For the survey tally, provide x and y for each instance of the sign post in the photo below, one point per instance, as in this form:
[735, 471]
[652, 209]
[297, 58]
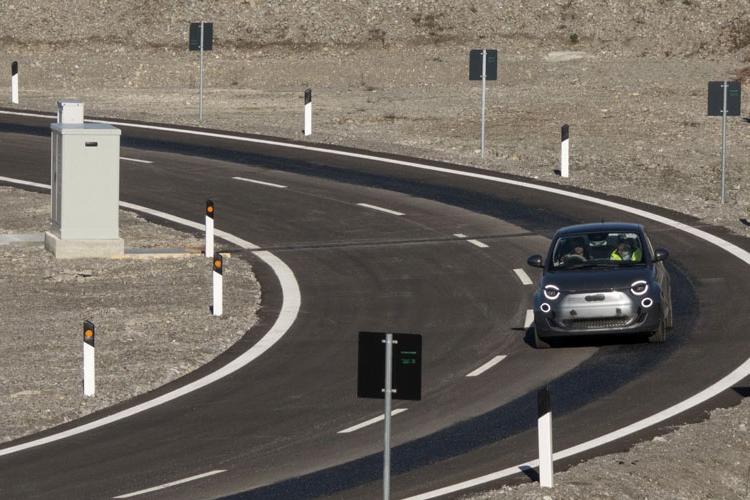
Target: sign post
[724, 99]
[483, 66]
[201, 38]
[379, 378]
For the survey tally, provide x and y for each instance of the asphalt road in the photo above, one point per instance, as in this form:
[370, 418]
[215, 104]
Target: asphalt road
[274, 425]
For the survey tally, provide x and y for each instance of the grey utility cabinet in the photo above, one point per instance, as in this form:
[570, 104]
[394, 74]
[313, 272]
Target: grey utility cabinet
[85, 191]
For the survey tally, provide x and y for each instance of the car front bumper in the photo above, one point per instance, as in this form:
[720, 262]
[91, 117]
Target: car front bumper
[596, 313]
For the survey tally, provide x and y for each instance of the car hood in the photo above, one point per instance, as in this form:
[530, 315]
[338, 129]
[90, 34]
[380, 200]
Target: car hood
[596, 279]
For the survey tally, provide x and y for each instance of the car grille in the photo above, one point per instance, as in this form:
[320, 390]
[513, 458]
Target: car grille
[596, 324]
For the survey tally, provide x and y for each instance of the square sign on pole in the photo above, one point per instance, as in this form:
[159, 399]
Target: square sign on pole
[390, 366]
[716, 98]
[407, 366]
[724, 100]
[194, 42]
[475, 64]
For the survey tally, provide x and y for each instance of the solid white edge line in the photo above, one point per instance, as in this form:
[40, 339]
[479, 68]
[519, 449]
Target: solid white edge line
[290, 306]
[478, 243]
[263, 183]
[525, 280]
[489, 364]
[135, 160]
[173, 483]
[740, 372]
[380, 209]
[529, 319]
[374, 420]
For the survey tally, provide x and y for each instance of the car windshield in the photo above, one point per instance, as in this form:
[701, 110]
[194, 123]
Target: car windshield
[597, 250]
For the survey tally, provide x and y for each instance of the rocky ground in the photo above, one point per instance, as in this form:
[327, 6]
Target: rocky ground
[630, 78]
[151, 316]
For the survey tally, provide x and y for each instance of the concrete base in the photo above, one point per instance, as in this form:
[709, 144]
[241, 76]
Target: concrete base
[78, 249]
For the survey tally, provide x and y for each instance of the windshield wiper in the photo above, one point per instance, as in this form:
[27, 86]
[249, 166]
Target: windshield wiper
[589, 265]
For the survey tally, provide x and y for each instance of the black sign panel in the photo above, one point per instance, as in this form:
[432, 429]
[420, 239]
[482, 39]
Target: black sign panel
[716, 98]
[194, 42]
[406, 366]
[475, 64]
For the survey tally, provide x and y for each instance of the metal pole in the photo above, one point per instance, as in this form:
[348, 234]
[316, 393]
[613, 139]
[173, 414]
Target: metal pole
[723, 139]
[200, 113]
[387, 436]
[484, 87]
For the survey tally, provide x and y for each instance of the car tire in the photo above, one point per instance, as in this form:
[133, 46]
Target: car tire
[660, 334]
[539, 342]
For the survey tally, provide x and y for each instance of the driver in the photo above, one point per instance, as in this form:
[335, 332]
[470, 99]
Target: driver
[625, 252]
[577, 254]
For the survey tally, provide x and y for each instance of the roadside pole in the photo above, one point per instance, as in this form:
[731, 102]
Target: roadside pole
[14, 82]
[544, 426]
[308, 112]
[210, 228]
[564, 151]
[201, 38]
[89, 359]
[217, 307]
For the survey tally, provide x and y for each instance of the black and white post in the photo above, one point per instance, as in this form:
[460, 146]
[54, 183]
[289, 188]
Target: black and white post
[308, 111]
[89, 365]
[210, 228]
[217, 308]
[14, 82]
[544, 414]
[565, 151]
[388, 390]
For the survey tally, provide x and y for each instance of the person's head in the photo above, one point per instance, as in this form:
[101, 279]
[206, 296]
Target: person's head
[623, 248]
[578, 249]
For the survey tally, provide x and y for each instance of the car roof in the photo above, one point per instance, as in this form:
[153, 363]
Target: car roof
[601, 227]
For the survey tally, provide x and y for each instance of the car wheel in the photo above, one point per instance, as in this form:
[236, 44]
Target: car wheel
[539, 342]
[660, 335]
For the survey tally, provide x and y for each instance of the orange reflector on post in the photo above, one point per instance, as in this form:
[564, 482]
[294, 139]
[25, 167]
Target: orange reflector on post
[218, 264]
[210, 208]
[88, 332]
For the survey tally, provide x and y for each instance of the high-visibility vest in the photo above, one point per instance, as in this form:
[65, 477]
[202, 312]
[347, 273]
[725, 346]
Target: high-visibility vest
[634, 257]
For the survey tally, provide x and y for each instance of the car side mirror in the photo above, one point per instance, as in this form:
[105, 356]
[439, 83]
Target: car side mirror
[535, 261]
[660, 254]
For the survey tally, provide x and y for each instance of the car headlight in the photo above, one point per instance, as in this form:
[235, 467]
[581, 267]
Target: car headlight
[639, 287]
[551, 292]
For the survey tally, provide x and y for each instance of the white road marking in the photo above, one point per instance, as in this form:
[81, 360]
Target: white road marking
[135, 160]
[173, 483]
[271, 184]
[375, 420]
[529, 320]
[381, 209]
[727, 382]
[489, 364]
[459, 235]
[290, 306]
[478, 243]
[523, 276]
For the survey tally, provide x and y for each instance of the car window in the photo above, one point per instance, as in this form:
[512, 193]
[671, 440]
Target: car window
[597, 249]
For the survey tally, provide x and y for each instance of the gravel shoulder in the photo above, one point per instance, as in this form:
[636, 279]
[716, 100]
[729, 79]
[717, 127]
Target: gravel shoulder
[151, 316]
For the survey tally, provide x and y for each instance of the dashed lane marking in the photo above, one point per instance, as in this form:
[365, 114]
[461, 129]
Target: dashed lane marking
[380, 209]
[489, 364]
[523, 276]
[135, 160]
[263, 183]
[173, 483]
[375, 420]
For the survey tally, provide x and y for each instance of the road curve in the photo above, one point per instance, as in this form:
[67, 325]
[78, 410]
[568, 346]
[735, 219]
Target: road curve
[273, 426]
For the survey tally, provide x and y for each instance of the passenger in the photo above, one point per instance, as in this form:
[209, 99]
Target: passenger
[625, 252]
